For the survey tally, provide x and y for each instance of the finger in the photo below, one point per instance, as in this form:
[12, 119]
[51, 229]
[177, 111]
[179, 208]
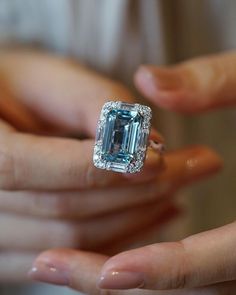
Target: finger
[216, 289]
[80, 204]
[45, 163]
[188, 165]
[24, 233]
[75, 269]
[80, 271]
[196, 85]
[60, 91]
[181, 167]
[17, 114]
[199, 260]
[14, 266]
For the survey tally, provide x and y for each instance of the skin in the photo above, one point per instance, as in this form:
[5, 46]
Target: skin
[51, 195]
[204, 263]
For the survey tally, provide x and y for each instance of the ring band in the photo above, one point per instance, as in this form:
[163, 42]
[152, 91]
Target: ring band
[122, 137]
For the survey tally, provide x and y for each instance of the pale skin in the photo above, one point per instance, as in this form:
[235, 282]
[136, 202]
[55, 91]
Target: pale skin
[204, 263]
[51, 195]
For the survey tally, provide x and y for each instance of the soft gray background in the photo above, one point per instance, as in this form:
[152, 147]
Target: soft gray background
[114, 37]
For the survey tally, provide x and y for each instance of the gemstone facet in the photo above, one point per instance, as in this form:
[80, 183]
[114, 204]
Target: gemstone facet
[122, 135]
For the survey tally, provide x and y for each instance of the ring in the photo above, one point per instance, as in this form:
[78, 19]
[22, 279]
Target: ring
[122, 137]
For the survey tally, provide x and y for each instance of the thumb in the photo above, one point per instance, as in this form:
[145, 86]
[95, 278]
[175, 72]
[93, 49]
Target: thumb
[193, 86]
[200, 260]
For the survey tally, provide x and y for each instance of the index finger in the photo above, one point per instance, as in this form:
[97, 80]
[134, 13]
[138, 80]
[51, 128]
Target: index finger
[46, 163]
[197, 85]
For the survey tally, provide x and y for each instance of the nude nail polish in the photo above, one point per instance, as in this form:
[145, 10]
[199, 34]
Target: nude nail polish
[159, 78]
[121, 280]
[48, 273]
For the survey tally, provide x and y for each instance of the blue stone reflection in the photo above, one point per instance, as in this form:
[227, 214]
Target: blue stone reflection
[122, 133]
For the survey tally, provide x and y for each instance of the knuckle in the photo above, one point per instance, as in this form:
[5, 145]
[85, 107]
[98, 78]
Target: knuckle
[178, 272]
[181, 276]
[179, 281]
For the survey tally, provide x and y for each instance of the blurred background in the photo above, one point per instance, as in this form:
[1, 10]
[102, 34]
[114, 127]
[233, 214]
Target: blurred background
[116, 36]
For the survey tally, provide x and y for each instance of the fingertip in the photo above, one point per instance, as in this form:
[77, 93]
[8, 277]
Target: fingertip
[214, 158]
[51, 267]
[164, 78]
[76, 269]
[154, 86]
[166, 88]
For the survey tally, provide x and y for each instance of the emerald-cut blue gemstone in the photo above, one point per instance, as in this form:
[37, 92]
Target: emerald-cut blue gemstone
[121, 137]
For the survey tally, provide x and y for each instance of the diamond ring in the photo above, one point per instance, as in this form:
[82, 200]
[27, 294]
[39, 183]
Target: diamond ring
[122, 137]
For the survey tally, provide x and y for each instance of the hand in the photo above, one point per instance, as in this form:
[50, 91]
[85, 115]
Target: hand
[204, 263]
[201, 264]
[194, 86]
[50, 193]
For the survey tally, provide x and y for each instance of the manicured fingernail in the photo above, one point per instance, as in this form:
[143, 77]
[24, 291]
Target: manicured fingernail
[158, 79]
[121, 280]
[194, 163]
[203, 163]
[46, 272]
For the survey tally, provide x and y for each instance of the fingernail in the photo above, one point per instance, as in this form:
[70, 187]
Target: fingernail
[199, 163]
[46, 272]
[121, 280]
[192, 164]
[154, 79]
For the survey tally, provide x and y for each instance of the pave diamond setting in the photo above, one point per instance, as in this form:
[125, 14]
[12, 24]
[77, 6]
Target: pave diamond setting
[122, 136]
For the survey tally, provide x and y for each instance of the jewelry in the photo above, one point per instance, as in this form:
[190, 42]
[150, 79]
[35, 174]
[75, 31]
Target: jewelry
[122, 137]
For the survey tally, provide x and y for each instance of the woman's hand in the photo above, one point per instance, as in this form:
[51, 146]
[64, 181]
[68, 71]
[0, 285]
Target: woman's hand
[201, 264]
[51, 194]
[197, 85]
